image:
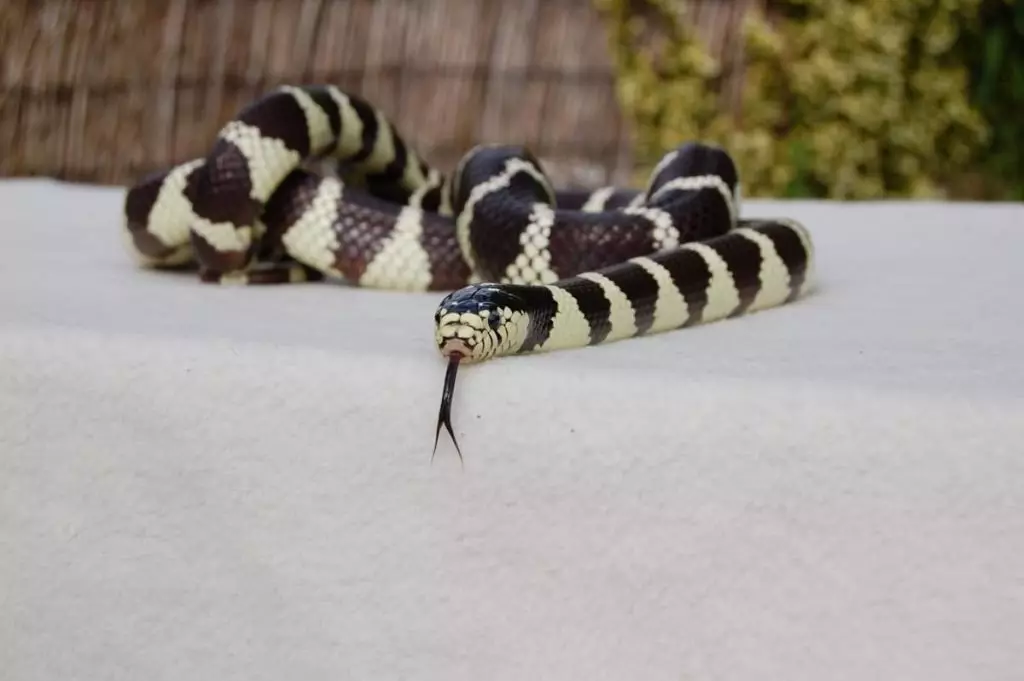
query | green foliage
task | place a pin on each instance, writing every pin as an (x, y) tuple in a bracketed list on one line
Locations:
[(841, 99), (994, 54)]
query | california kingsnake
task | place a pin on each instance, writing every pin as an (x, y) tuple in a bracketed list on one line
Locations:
[(571, 268)]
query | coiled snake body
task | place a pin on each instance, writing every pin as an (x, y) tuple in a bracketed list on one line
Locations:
[(528, 268)]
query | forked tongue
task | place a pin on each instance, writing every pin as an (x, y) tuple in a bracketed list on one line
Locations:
[(444, 414)]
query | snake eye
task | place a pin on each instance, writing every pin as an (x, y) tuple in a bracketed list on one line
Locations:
[(494, 320)]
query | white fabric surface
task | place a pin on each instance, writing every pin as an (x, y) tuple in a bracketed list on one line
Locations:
[(234, 483)]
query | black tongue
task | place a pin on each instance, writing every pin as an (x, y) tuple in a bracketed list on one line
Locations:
[(444, 415)]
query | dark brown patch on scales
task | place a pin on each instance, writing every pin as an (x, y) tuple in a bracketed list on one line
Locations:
[(286, 205), (585, 242), (138, 203), (362, 226), (582, 242), (150, 246), (221, 190), (216, 260), (448, 268), (140, 198)]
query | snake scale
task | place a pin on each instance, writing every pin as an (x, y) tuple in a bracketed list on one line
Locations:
[(526, 267)]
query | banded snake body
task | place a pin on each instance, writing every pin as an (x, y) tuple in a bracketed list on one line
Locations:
[(527, 268)]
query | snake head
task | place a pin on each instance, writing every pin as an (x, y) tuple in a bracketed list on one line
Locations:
[(480, 321)]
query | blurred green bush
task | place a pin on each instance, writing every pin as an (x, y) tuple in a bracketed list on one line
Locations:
[(994, 54), (840, 99)]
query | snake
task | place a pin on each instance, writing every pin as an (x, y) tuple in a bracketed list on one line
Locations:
[(310, 182)]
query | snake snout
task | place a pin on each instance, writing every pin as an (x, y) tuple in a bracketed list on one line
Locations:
[(473, 322)]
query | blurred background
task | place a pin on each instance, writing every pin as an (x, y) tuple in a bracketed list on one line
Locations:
[(834, 99)]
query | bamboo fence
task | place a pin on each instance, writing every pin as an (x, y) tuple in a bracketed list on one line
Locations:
[(107, 90)]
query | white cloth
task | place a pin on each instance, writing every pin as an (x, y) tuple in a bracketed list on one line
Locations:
[(202, 482)]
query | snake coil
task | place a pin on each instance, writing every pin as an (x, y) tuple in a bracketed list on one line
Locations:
[(528, 268)]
